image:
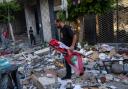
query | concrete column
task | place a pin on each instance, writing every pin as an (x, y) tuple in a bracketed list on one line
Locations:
[(45, 20), (40, 22), (30, 19)]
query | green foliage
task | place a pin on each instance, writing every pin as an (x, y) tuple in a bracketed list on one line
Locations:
[(7, 11), (89, 7), (61, 15)]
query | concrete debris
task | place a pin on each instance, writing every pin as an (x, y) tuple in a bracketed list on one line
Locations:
[(42, 68), (42, 51), (106, 47)]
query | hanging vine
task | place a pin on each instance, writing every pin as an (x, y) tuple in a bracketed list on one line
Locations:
[(77, 8)]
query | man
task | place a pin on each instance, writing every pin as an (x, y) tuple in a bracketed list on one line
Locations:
[(5, 38), (69, 38), (32, 37)]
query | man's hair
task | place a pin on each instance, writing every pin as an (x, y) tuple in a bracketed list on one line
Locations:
[(58, 20)]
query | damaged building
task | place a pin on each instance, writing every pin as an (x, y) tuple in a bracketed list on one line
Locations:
[(37, 16), (40, 15)]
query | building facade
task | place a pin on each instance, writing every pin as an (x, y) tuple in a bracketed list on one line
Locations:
[(40, 16)]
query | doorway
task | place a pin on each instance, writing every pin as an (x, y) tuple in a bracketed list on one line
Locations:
[(36, 20)]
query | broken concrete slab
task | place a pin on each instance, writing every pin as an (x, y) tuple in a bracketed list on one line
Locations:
[(42, 51)]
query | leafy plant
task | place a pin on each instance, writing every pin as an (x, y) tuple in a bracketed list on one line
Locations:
[(89, 7), (61, 15), (7, 11)]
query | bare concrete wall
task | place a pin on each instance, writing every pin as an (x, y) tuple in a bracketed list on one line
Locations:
[(30, 19)]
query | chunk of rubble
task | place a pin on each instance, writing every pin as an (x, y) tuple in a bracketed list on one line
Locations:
[(42, 51)]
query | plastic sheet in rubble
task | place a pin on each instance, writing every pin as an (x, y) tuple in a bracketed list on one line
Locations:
[(4, 64)]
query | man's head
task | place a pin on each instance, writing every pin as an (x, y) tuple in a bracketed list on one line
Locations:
[(59, 23), (30, 28)]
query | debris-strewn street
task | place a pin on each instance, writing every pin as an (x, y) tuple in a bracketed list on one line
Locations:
[(42, 68), (63, 44)]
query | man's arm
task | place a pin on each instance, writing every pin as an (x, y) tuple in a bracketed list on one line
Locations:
[(72, 35), (73, 42)]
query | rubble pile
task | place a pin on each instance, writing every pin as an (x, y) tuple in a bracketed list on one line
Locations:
[(42, 68)]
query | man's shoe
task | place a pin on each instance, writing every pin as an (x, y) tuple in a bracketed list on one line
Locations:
[(64, 78)]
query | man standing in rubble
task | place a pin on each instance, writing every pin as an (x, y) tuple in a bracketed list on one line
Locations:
[(69, 38), (5, 38), (32, 37)]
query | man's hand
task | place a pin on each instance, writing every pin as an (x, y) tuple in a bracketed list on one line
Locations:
[(71, 48)]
